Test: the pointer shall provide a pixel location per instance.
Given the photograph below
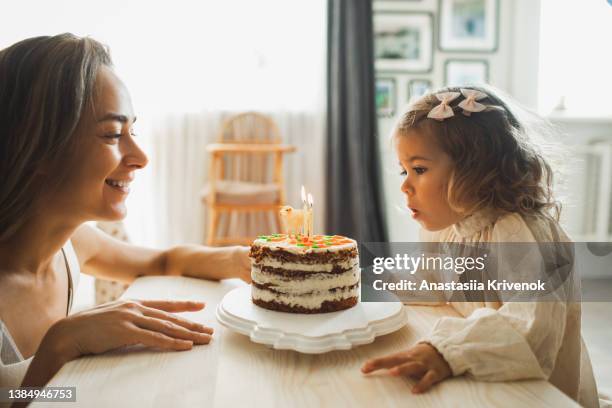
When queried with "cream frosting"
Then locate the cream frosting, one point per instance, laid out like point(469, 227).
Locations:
point(316, 282)
point(317, 267)
point(311, 301)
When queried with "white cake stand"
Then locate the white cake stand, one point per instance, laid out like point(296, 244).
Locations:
point(311, 334)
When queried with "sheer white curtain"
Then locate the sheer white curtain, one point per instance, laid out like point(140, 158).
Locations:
point(170, 209)
point(187, 64)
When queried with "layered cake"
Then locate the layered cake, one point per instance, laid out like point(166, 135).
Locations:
point(297, 274)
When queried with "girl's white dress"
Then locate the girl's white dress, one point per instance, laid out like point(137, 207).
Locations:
point(495, 341)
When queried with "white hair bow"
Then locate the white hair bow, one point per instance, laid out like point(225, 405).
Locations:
point(469, 104)
point(442, 110)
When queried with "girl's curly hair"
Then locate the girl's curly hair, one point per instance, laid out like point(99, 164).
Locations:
point(495, 162)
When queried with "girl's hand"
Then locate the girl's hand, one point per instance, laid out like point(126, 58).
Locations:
point(421, 362)
point(124, 323)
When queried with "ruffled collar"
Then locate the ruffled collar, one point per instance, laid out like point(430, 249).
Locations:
point(475, 222)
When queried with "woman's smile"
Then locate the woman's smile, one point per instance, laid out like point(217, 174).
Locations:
point(123, 186)
point(107, 141)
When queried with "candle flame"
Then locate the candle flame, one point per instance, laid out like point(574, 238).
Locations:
point(310, 200)
point(303, 195)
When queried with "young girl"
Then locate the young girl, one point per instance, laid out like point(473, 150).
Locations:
point(473, 176)
point(67, 155)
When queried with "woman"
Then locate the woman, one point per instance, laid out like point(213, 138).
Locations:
point(67, 155)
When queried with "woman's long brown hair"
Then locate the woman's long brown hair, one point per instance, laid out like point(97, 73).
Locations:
point(45, 85)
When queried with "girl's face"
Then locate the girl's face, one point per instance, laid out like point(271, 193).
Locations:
point(427, 170)
point(107, 155)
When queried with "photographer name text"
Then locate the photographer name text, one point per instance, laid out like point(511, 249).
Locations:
point(472, 285)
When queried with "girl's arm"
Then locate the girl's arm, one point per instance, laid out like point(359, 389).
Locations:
point(521, 340)
point(518, 341)
point(103, 256)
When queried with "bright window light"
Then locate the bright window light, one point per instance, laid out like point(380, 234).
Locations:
point(185, 56)
point(575, 56)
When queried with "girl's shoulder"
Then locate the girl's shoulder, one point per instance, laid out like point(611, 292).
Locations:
point(515, 227)
point(511, 227)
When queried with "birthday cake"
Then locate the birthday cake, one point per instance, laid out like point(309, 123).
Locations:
point(305, 274)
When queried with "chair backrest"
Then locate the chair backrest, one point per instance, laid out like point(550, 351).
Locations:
point(249, 127)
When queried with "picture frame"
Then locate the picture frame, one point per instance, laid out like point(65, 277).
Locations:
point(386, 97)
point(417, 88)
point(459, 72)
point(468, 25)
point(403, 41)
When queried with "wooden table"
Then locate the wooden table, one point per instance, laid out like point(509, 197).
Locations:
point(233, 371)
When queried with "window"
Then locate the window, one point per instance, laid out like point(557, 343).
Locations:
point(575, 56)
point(186, 56)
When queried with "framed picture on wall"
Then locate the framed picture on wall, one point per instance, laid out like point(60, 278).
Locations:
point(385, 96)
point(403, 41)
point(418, 88)
point(468, 25)
point(459, 72)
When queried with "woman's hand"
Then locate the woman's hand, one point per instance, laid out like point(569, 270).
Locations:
point(421, 362)
point(241, 267)
point(114, 325)
point(209, 262)
point(124, 323)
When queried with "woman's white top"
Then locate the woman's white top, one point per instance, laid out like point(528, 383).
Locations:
point(495, 341)
point(13, 366)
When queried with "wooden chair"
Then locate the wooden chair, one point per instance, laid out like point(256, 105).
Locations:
point(246, 173)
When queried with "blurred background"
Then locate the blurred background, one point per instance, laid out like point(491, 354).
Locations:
point(193, 67)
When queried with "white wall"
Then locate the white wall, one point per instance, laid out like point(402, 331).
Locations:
point(587, 174)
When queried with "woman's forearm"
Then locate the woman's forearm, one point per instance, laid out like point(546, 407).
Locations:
point(47, 361)
point(42, 369)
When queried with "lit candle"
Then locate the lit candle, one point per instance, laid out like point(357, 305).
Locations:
point(305, 212)
point(310, 216)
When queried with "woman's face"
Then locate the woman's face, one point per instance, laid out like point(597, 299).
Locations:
point(107, 155)
point(427, 170)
